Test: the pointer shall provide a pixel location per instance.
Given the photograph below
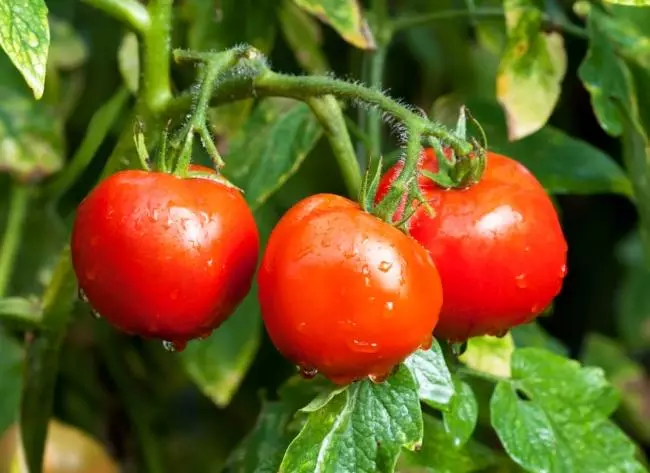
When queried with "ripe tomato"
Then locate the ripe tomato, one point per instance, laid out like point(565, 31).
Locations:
point(164, 257)
point(344, 293)
point(498, 246)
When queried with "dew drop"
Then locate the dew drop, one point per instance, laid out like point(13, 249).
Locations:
point(82, 295)
point(176, 346)
point(427, 343)
point(96, 315)
point(365, 270)
point(361, 346)
point(563, 270)
point(379, 378)
point(385, 266)
point(389, 306)
point(366, 281)
point(155, 214)
point(308, 372)
point(520, 281)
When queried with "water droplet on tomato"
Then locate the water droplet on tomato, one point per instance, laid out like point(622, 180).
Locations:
point(385, 266)
point(365, 270)
point(520, 281)
point(389, 306)
point(361, 346)
point(563, 270)
point(82, 295)
point(96, 315)
point(379, 378)
point(155, 214)
point(308, 372)
point(176, 346)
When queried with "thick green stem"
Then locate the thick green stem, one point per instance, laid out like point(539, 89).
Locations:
point(331, 118)
point(156, 85)
point(130, 12)
point(18, 203)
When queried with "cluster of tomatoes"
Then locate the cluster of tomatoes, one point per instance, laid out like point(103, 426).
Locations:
point(341, 292)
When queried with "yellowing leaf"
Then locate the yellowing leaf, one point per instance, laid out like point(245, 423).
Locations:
point(345, 17)
point(531, 70)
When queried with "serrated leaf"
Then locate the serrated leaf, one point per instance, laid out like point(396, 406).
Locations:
point(345, 17)
point(563, 164)
point(553, 417)
point(361, 429)
point(489, 354)
point(531, 69)
point(533, 335)
point(25, 37)
point(460, 420)
point(11, 371)
point(262, 450)
point(431, 374)
point(271, 147)
point(31, 133)
point(128, 61)
point(439, 455)
point(303, 35)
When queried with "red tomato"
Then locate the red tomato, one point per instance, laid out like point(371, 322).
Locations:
point(498, 246)
point(344, 293)
point(164, 257)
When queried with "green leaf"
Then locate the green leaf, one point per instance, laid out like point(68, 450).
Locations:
point(489, 354)
point(31, 134)
point(21, 311)
point(552, 417)
point(632, 381)
point(432, 377)
point(460, 420)
point(303, 34)
point(533, 335)
point(606, 77)
point(360, 429)
point(271, 147)
point(439, 455)
point(564, 165)
point(516, 422)
point(531, 70)
point(218, 364)
point(11, 369)
point(128, 61)
point(345, 17)
point(633, 303)
point(262, 450)
point(25, 37)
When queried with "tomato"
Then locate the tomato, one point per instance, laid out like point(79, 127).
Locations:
point(498, 246)
point(164, 257)
point(344, 293)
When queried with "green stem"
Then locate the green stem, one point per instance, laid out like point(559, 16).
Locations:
point(412, 21)
point(374, 62)
point(130, 12)
point(156, 83)
point(18, 203)
point(331, 118)
point(26, 313)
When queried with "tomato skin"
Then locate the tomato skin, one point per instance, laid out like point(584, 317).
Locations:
point(498, 246)
point(164, 257)
point(344, 293)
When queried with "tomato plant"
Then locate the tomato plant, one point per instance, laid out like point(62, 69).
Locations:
point(324, 255)
point(498, 246)
point(245, 180)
